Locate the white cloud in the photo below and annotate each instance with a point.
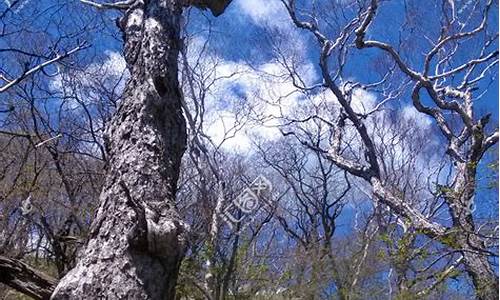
(268, 93)
(251, 99)
(224, 128)
(114, 65)
(363, 101)
(411, 114)
(264, 12)
(85, 86)
(111, 72)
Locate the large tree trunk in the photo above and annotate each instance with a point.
(479, 269)
(137, 239)
(464, 237)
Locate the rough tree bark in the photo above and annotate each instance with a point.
(137, 240)
(463, 233)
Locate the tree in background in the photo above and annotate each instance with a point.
(448, 79)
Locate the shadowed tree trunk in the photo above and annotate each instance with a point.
(137, 239)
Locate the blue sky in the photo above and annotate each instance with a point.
(243, 27)
(242, 40)
(245, 35)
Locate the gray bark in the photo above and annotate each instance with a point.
(463, 233)
(137, 240)
(479, 269)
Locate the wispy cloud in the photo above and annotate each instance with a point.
(264, 12)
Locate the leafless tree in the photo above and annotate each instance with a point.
(467, 136)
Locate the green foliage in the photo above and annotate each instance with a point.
(450, 239)
(43, 265)
(493, 182)
(385, 237)
(406, 295)
(14, 295)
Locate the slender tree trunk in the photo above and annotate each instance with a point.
(222, 292)
(212, 241)
(137, 240)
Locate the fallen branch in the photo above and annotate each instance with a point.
(25, 279)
